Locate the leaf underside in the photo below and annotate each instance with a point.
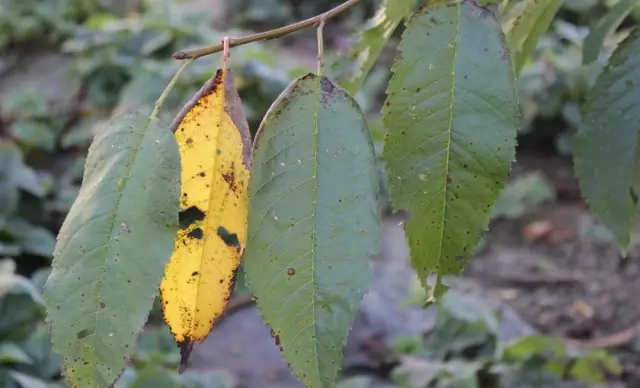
(215, 145)
(606, 155)
(452, 118)
(313, 221)
(112, 249)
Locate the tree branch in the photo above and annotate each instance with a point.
(271, 34)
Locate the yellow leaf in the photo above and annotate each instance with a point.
(215, 147)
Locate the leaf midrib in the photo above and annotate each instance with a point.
(209, 216)
(313, 224)
(447, 157)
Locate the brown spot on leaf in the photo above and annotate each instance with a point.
(102, 305)
(230, 178)
(327, 88)
(276, 337)
(291, 271)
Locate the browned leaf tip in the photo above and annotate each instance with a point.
(209, 87)
(185, 352)
(234, 108)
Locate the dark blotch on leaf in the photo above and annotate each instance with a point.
(291, 271)
(230, 239)
(327, 90)
(196, 233)
(190, 216)
(83, 333)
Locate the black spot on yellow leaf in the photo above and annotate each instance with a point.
(230, 239)
(190, 216)
(196, 233)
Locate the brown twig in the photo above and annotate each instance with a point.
(266, 35)
(612, 341)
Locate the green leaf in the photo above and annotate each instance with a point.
(606, 149)
(81, 134)
(156, 344)
(363, 381)
(452, 119)
(112, 248)
(209, 379)
(29, 181)
(10, 163)
(46, 363)
(35, 134)
(21, 306)
(38, 241)
(527, 347)
(26, 381)
(11, 353)
(524, 25)
(523, 192)
(604, 27)
(313, 221)
(154, 376)
(373, 39)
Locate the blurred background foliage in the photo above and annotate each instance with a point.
(67, 65)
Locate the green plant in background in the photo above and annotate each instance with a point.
(428, 168)
(465, 349)
(27, 360)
